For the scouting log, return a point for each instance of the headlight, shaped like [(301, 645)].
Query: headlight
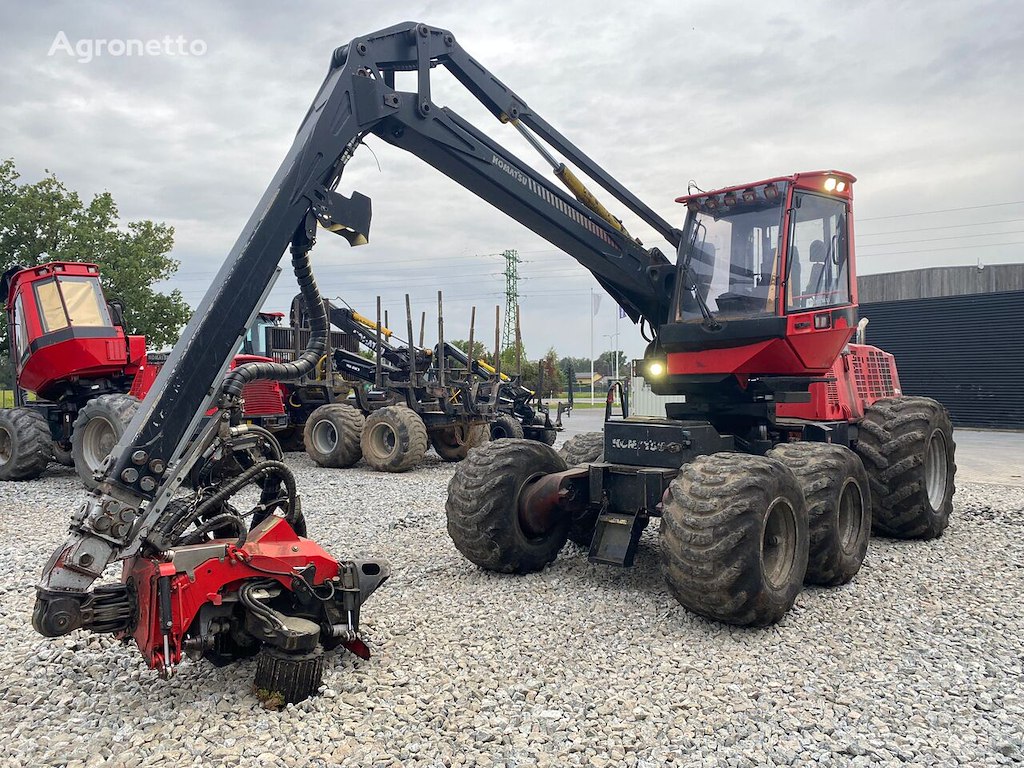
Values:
[(655, 369)]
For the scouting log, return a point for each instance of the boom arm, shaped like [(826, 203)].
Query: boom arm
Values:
[(357, 98)]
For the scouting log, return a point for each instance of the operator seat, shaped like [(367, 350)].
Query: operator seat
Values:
[(817, 255)]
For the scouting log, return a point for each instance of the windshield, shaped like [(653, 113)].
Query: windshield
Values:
[(76, 301), (728, 261), (255, 342)]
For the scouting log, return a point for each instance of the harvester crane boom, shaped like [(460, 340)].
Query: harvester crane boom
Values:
[(357, 98)]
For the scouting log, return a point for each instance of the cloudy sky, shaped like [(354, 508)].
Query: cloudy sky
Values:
[(921, 101)]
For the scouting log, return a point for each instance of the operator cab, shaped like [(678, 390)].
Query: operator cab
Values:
[(764, 279), (255, 341), (61, 326)]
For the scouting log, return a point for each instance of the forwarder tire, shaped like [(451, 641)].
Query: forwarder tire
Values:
[(99, 426), (394, 439), (454, 443), (907, 447), (549, 435), (835, 486), (483, 507), (584, 448), (505, 426), (734, 538), (332, 434), (25, 444)]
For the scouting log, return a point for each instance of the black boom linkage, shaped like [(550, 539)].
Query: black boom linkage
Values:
[(357, 98)]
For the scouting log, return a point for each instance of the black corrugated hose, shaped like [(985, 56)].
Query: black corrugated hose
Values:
[(235, 380)]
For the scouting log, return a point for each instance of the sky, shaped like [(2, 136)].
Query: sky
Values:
[(923, 102)]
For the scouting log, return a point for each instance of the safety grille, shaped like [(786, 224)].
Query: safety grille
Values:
[(262, 398), (872, 370), (832, 393), (283, 346)]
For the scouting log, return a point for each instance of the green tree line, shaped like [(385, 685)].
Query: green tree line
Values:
[(45, 221)]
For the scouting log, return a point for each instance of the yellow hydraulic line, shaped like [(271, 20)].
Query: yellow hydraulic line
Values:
[(365, 321), (586, 197), (572, 181), (490, 369)]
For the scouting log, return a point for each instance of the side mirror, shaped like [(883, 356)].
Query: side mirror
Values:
[(116, 309)]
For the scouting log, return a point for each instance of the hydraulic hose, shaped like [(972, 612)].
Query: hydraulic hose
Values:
[(235, 380), (220, 521)]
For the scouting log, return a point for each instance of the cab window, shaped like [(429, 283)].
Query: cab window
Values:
[(21, 333), (51, 308), (819, 274), (84, 301), (75, 301)]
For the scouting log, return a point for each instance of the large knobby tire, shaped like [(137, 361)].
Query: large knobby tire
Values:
[(734, 538), (25, 444), (99, 426), (394, 439), (483, 507), (835, 486), (506, 427), (908, 451), (455, 442), (332, 435), (584, 448)]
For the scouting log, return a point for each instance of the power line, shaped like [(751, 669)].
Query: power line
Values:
[(937, 239), (929, 229), (933, 250), (943, 210)]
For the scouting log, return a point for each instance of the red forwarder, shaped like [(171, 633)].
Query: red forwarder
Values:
[(78, 376)]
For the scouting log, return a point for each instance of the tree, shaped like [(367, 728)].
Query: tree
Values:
[(605, 363), (554, 374), (46, 221), (479, 349)]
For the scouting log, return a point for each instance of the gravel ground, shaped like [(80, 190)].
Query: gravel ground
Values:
[(919, 660)]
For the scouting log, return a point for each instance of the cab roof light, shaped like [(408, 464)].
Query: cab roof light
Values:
[(771, 192), (830, 184), (840, 186), (730, 199), (711, 203), (749, 195)]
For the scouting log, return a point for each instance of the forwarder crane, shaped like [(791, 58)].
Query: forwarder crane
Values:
[(736, 522)]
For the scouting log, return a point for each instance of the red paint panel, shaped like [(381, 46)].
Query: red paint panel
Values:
[(83, 358)]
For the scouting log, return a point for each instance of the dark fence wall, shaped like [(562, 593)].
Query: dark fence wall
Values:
[(965, 351)]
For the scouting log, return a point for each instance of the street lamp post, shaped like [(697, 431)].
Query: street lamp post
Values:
[(615, 336)]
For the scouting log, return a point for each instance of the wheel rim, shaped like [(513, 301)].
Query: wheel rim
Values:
[(935, 467), (98, 441), (324, 436), (850, 521), (6, 446), (383, 439), (778, 543)]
